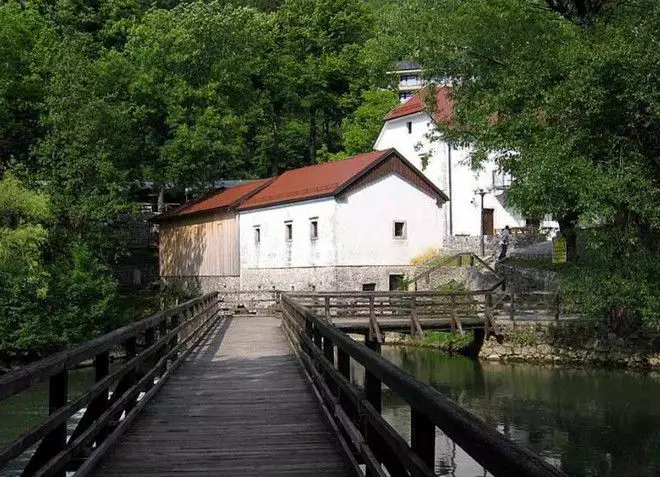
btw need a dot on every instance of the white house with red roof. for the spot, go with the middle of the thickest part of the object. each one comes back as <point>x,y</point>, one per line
<point>345,225</point>
<point>408,127</point>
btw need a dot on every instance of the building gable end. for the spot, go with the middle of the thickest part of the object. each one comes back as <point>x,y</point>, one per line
<point>395,164</point>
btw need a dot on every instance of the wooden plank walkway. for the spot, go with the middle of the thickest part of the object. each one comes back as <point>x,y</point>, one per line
<point>238,406</point>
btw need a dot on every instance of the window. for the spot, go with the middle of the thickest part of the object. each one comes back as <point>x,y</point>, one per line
<point>257,234</point>
<point>403,96</point>
<point>409,126</point>
<point>288,230</point>
<point>399,230</point>
<point>368,287</point>
<point>314,228</point>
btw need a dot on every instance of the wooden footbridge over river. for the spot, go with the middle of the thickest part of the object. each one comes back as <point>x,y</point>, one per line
<point>199,390</point>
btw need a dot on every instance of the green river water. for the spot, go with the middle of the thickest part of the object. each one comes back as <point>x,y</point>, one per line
<point>589,422</point>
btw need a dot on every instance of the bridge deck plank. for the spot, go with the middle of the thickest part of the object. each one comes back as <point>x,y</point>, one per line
<point>239,406</point>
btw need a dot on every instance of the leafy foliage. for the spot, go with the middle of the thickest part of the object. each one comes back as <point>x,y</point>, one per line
<point>565,96</point>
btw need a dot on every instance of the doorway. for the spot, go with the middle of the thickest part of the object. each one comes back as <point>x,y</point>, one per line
<point>487,221</point>
<point>396,282</point>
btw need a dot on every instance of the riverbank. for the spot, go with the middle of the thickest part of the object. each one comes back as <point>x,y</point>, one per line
<point>574,343</point>
<point>571,343</point>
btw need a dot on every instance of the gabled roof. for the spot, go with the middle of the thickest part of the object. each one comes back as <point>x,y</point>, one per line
<point>331,179</point>
<point>417,104</point>
<point>216,201</point>
<point>321,180</point>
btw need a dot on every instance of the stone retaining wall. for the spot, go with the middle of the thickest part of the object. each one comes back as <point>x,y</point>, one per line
<point>567,343</point>
<point>472,243</point>
<point>520,278</point>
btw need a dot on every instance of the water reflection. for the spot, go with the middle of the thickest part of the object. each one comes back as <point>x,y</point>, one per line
<point>589,422</point>
<point>25,410</point>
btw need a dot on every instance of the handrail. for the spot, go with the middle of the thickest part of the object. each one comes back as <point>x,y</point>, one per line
<point>317,341</point>
<point>17,381</point>
<point>153,347</point>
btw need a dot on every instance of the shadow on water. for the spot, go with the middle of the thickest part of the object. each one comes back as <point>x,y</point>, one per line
<point>588,422</point>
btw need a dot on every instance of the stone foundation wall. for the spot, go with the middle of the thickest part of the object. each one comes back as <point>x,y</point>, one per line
<point>322,278</point>
<point>567,343</point>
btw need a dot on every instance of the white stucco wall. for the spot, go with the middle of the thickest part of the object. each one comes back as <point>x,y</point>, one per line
<point>365,223</point>
<point>354,231</point>
<point>465,202</point>
<point>274,250</point>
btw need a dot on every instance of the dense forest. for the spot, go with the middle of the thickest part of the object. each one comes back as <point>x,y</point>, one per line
<point>97,96</point>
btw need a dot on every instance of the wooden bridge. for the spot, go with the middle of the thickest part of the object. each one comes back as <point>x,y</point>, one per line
<point>199,390</point>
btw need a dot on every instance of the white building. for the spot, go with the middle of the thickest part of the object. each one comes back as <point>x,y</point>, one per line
<point>408,128</point>
<point>351,224</point>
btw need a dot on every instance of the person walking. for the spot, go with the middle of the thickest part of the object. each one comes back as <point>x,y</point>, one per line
<point>504,242</point>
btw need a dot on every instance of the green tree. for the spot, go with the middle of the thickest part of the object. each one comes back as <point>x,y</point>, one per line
<point>20,87</point>
<point>565,95</point>
<point>360,129</point>
<point>23,276</point>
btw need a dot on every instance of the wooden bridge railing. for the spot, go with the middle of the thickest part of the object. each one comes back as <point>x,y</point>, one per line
<point>355,416</point>
<point>535,307</point>
<point>153,348</point>
<point>250,301</point>
<point>454,311</point>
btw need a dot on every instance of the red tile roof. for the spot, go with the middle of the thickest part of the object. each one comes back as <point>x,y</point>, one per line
<point>225,199</point>
<point>311,182</point>
<point>416,104</point>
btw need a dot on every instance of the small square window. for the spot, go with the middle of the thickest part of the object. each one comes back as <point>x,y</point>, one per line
<point>257,234</point>
<point>409,126</point>
<point>368,287</point>
<point>314,228</point>
<point>288,231</point>
<point>399,230</point>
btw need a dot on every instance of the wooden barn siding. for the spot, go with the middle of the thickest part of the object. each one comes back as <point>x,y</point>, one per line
<point>200,246</point>
<point>394,165</point>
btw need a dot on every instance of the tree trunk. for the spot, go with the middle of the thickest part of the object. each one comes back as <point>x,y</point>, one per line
<point>161,199</point>
<point>312,136</point>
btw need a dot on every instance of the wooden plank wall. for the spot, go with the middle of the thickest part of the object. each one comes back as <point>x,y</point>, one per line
<point>200,246</point>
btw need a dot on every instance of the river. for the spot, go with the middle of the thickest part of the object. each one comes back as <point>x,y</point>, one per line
<point>588,422</point>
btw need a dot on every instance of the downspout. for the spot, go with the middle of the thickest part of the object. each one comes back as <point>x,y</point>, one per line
<point>451,201</point>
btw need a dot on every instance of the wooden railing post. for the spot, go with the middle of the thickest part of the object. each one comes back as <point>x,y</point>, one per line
<point>329,353</point>
<point>55,440</point>
<point>413,330</point>
<point>131,349</point>
<point>452,312</point>
<point>327,308</point>
<point>175,321</point>
<point>557,307</point>
<point>101,370</point>
<point>372,385</point>
<point>422,437</point>
<point>58,395</point>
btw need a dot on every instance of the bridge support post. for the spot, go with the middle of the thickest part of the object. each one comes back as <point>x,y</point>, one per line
<point>422,437</point>
<point>329,353</point>
<point>55,441</point>
<point>372,385</point>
